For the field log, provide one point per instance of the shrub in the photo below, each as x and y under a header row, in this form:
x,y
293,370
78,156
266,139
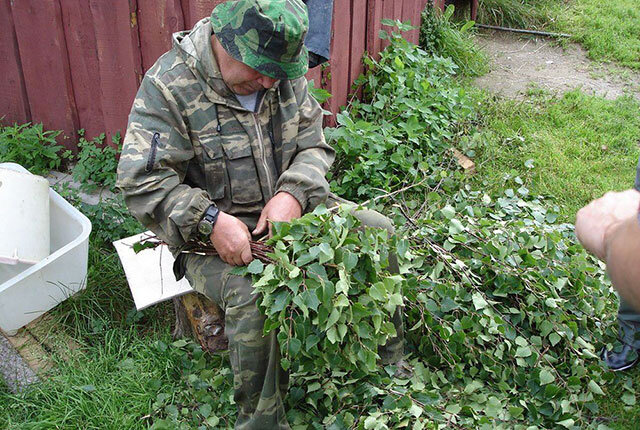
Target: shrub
x,y
31,147
96,163
411,106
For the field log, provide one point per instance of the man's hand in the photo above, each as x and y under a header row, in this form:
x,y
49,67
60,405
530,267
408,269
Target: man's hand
x,y
282,207
599,218
230,237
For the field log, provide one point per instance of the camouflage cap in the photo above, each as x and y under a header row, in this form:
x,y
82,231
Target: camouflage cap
x,y
266,35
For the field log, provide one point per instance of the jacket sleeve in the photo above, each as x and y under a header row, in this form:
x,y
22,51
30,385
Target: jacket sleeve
x,y
154,160
305,176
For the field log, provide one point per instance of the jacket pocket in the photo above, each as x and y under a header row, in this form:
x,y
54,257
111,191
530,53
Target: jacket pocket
x,y
241,170
214,167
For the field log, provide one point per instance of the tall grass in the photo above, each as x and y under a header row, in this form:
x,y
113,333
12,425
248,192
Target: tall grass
x,y
530,14
439,35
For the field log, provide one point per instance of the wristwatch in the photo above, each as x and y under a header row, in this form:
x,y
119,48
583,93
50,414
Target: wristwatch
x,y
205,226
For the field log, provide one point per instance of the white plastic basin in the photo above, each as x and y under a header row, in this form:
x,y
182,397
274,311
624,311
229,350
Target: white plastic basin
x,y
28,291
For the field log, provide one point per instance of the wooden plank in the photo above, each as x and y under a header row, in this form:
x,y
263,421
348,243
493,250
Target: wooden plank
x,y
157,20
397,9
14,106
340,54
120,63
45,66
83,61
411,10
195,10
387,13
315,75
31,351
328,120
40,341
358,39
374,16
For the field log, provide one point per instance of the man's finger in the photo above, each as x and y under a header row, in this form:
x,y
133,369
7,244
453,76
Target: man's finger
x,y
262,224
246,255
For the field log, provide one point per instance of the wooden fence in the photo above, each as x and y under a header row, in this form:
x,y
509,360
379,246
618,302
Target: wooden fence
x,y
77,64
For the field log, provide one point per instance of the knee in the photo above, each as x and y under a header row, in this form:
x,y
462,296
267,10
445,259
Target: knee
x,y
370,218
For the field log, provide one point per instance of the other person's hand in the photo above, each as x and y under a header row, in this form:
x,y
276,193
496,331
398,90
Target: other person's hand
x,y
230,237
596,220
282,207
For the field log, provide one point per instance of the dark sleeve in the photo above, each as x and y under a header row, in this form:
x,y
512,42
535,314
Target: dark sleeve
x,y
638,177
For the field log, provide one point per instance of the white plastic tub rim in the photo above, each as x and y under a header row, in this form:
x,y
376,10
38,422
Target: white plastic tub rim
x,y
81,240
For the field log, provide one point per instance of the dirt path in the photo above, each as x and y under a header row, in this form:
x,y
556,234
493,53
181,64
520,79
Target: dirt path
x,y
519,63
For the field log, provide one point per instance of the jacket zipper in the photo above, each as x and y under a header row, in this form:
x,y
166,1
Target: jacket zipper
x,y
262,154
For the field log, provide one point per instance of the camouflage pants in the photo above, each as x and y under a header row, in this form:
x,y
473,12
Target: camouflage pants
x,y
260,384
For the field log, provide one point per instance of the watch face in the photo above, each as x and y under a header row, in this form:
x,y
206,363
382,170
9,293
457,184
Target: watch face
x,y
205,227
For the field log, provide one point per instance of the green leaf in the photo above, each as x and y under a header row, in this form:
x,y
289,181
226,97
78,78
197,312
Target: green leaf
x,y
213,421
205,410
479,302
629,399
455,226
546,377
378,292
294,346
332,335
255,267
595,388
334,316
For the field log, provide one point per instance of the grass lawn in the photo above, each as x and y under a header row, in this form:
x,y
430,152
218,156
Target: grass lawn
x,y
573,147
610,31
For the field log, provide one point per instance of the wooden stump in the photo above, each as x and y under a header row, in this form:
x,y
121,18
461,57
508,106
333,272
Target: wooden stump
x,y
202,319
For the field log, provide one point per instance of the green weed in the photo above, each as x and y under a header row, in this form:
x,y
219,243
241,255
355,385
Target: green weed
x,y
31,147
96,163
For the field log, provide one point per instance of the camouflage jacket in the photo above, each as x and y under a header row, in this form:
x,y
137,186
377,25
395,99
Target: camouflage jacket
x,y
190,143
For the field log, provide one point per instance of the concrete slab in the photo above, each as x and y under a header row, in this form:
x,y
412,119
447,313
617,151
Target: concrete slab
x,y
13,368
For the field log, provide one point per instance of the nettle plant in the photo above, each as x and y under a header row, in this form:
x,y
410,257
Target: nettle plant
x,y
96,163
411,106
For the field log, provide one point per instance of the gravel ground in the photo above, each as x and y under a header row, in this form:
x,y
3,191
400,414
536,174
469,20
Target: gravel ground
x,y
13,368
518,62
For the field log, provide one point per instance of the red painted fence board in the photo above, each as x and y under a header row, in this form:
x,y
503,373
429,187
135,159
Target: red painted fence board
x,y
84,68
77,63
195,10
45,66
340,54
374,16
119,60
14,106
358,38
158,20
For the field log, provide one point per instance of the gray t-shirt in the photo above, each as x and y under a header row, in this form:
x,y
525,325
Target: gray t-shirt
x,y
248,102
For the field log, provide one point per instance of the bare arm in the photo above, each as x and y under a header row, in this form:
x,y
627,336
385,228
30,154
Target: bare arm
x,y
609,228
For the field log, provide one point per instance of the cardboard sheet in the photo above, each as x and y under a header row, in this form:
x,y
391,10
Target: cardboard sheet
x,y
150,272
